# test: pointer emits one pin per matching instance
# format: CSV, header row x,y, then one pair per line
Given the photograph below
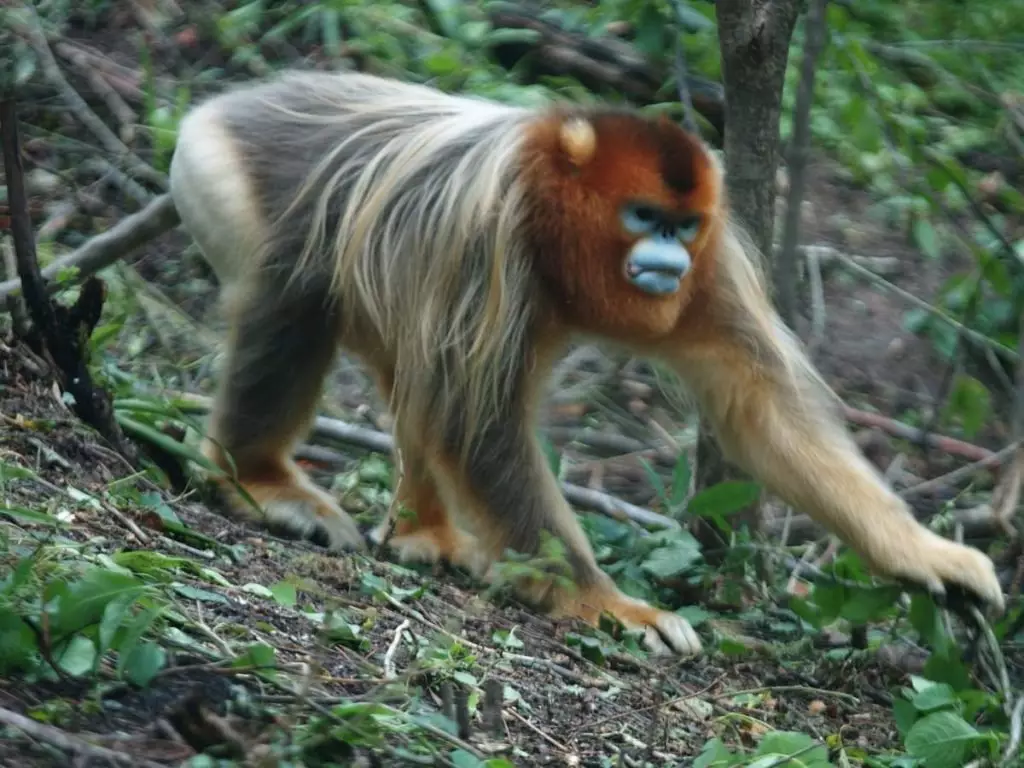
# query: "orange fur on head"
x,y
582,169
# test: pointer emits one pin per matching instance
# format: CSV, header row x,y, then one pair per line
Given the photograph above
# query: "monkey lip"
x,y
655,280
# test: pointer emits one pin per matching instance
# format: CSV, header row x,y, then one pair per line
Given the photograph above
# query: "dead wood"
x,y
58,332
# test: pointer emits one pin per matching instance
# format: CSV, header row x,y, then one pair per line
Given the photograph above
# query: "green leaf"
x,y
681,474
465,678
113,616
17,643
905,715
133,634
203,595
948,666
78,657
723,499
445,15
971,402
714,755
460,758
864,605
257,655
942,740
934,697
82,603
143,663
284,592
925,618
926,238
666,562
779,744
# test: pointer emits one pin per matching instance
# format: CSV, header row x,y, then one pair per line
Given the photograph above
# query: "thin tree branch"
x,y
102,250
815,38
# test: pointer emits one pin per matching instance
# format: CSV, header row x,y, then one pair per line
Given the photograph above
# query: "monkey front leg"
x,y
776,425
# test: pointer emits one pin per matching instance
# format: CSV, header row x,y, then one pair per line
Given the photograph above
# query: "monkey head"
x,y
624,214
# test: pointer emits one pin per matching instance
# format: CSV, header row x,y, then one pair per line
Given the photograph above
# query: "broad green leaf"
x,y
942,740
82,603
934,697
947,666
465,678
666,562
723,499
143,663
78,657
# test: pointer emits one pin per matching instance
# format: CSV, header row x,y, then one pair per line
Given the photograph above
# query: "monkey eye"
x,y
687,229
638,217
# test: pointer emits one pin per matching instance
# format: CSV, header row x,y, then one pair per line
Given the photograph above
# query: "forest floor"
x,y
274,650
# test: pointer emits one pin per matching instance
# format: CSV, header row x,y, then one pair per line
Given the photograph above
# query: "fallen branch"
x,y
917,436
104,249
71,744
951,479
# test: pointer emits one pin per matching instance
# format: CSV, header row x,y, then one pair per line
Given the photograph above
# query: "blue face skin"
x,y
659,261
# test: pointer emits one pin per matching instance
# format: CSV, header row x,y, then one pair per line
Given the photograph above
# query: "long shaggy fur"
x,y
411,201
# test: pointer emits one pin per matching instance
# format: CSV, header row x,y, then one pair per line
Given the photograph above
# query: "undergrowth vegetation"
x,y
127,606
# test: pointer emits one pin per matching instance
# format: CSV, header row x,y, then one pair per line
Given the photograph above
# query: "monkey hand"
x,y
941,566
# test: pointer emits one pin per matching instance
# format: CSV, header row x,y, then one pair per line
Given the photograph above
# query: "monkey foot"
x,y
428,544
664,632
303,508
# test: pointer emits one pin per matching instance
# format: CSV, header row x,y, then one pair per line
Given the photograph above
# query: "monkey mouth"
x,y
658,281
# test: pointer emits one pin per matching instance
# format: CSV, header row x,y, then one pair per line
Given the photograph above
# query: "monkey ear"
x,y
579,140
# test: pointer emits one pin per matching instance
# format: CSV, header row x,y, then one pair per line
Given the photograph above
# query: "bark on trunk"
x,y
754,36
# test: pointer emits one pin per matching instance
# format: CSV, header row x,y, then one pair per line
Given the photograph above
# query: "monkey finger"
x,y
672,634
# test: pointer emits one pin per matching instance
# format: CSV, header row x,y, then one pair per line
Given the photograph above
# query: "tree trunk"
x,y
754,37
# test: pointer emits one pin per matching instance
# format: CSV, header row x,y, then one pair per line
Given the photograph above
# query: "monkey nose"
x,y
657,267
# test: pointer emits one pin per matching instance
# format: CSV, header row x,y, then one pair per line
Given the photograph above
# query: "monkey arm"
x,y
771,415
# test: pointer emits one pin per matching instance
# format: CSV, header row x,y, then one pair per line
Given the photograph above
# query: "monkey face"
x,y
659,260
625,211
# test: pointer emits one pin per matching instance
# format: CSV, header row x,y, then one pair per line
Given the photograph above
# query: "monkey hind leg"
x,y
279,352
511,497
423,530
